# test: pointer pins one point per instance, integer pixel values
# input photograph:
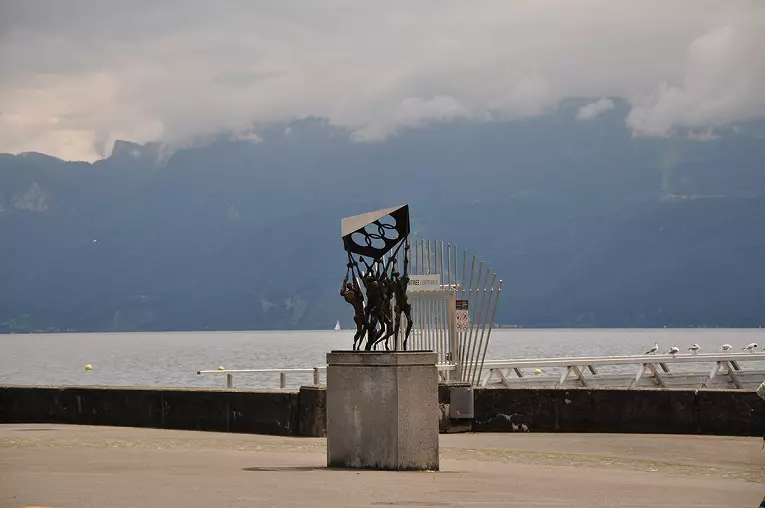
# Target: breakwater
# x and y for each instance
(302, 412)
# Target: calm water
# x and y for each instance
(172, 359)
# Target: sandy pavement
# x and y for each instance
(59, 466)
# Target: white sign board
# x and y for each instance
(424, 283)
(462, 316)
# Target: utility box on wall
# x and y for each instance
(460, 401)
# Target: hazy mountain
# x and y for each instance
(586, 224)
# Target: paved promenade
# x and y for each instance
(60, 466)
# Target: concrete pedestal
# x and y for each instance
(382, 410)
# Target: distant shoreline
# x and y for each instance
(328, 330)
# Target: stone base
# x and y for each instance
(382, 410)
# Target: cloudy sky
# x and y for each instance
(75, 75)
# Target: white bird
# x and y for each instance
(674, 350)
(694, 348)
(726, 347)
(751, 347)
(653, 349)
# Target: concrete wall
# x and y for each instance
(289, 412)
(258, 412)
(721, 412)
(312, 411)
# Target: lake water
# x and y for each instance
(173, 358)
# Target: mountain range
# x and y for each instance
(587, 224)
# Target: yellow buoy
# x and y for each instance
(88, 367)
(537, 372)
(220, 367)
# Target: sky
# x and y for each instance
(75, 76)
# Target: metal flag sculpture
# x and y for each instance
(379, 236)
(374, 234)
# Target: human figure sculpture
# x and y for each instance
(373, 310)
(352, 294)
(400, 285)
(384, 318)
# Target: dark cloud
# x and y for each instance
(76, 75)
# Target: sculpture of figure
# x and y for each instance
(376, 236)
(402, 304)
(353, 295)
(373, 310)
(386, 285)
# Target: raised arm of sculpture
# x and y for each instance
(343, 286)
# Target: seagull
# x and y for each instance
(673, 350)
(694, 348)
(751, 347)
(726, 347)
(653, 349)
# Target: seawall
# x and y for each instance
(647, 411)
(302, 412)
(258, 412)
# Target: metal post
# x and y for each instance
(461, 335)
(420, 327)
(422, 257)
(437, 303)
(453, 345)
(430, 313)
(473, 313)
(315, 376)
(485, 320)
(229, 381)
(491, 325)
(282, 380)
(449, 264)
(456, 273)
(442, 263)
(464, 266)
(413, 260)
(442, 313)
(428, 255)
(474, 337)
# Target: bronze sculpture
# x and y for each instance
(376, 235)
(374, 308)
(402, 304)
(353, 295)
(387, 327)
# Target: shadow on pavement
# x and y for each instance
(325, 468)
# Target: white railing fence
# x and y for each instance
(319, 372)
(723, 370)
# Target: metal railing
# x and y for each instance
(229, 373)
(584, 371)
(444, 371)
(652, 371)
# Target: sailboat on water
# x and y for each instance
(337, 326)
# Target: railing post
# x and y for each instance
(229, 381)
(453, 339)
(315, 376)
(282, 380)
